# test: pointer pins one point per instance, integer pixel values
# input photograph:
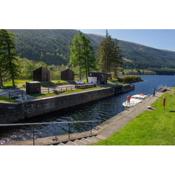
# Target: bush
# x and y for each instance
(130, 79)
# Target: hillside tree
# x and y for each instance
(88, 56)
(2, 68)
(116, 58)
(76, 53)
(109, 56)
(2, 59)
(82, 54)
(8, 55)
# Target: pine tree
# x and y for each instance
(82, 54)
(88, 56)
(2, 59)
(8, 55)
(109, 56)
(76, 53)
(2, 70)
(116, 58)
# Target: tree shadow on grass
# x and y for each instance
(172, 111)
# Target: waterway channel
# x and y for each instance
(100, 110)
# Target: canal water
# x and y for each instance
(100, 110)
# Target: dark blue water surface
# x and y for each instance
(106, 108)
(100, 110)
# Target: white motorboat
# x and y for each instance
(134, 99)
(131, 103)
(139, 96)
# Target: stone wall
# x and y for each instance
(124, 88)
(14, 112)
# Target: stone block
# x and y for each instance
(33, 87)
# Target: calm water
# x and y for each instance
(100, 110)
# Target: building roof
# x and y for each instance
(67, 70)
(42, 68)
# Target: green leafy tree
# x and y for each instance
(116, 59)
(104, 54)
(88, 56)
(3, 63)
(109, 56)
(76, 53)
(2, 69)
(82, 54)
(8, 54)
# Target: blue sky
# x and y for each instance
(161, 39)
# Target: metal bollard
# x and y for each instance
(68, 131)
(33, 131)
(91, 129)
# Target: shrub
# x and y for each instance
(130, 79)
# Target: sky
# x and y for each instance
(157, 38)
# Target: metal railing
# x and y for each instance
(13, 92)
(68, 123)
(58, 89)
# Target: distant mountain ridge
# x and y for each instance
(52, 47)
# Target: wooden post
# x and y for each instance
(69, 131)
(33, 133)
(164, 103)
(9, 95)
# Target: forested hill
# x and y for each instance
(52, 47)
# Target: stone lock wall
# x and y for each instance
(10, 113)
(14, 112)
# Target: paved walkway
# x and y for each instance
(114, 124)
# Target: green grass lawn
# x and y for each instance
(82, 90)
(38, 96)
(60, 82)
(64, 93)
(125, 80)
(150, 128)
(19, 83)
(6, 100)
(54, 83)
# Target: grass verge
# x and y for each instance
(155, 127)
(38, 96)
(6, 100)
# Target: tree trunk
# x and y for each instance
(1, 81)
(86, 67)
(87, 73)
(80, 72)
(13, 82)
(115, 73)
(86, 76)
(10, 62)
